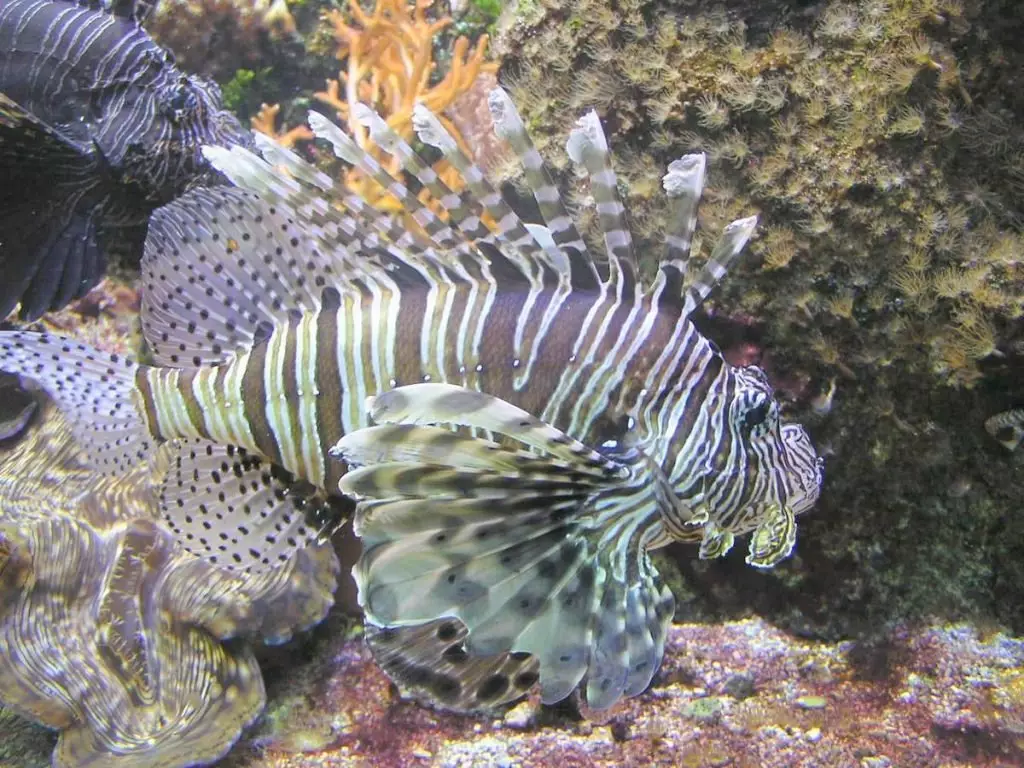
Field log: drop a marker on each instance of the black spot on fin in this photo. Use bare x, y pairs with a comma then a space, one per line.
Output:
239, 511
508, 541
430, 664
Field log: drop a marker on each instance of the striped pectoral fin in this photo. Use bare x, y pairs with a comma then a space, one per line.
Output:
462, 407
429, 663
537, 552
239, 511
630, 636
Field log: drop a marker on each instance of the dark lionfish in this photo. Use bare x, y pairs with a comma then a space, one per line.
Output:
98, 128
520, 423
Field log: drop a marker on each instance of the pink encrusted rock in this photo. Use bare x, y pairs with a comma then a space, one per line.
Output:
948, 697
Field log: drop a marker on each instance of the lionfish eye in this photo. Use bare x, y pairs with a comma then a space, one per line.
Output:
756, 416
183, 103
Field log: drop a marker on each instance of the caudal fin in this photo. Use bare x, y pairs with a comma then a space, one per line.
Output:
539, 549
93, 389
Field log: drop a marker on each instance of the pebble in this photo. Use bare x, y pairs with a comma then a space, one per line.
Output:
740, 686
705, 710
812, 702
520, 716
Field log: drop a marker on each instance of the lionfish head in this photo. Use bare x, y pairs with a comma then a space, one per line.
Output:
781, 466
188, 115
765, 473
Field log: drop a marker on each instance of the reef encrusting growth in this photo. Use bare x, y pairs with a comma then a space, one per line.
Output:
876, 137
881, 142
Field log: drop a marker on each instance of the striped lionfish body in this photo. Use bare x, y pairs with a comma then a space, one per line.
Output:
519, 423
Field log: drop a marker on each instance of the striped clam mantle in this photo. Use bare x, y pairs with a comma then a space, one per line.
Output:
519, 421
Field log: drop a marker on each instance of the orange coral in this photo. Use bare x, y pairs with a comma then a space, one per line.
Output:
265, 121
388, 63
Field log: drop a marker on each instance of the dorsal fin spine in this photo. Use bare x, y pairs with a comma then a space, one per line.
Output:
587, 146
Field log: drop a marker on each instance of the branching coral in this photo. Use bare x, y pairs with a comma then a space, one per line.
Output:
265, 121
388, 63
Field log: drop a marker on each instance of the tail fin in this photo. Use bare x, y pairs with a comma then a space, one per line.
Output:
93, 389
540, 552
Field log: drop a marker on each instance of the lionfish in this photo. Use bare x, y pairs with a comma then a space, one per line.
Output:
520, 422
98, 128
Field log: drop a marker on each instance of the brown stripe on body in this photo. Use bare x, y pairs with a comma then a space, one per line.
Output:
553, 358
412, 308
497, 346
658, 338
144, 390
630, 394
437, 331
613, 330
254, 391
460, 306
330, 391
695, 394
195, 411
291, 396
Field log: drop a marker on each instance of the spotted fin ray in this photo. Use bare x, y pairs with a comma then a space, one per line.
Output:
429, 663
537, 543
239, 511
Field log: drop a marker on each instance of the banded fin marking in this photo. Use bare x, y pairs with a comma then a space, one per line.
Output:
683, 183
548, 559
534, 258
774, 538
93, 389
728, 247
429, 663
239, 511
715, 541
287, 185
587, 146
348, 150
463, 210
508, 125
440, 232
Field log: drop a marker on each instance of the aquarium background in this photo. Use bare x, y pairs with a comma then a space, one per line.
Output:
882, 145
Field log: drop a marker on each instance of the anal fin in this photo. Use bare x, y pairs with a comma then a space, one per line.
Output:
239, 511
